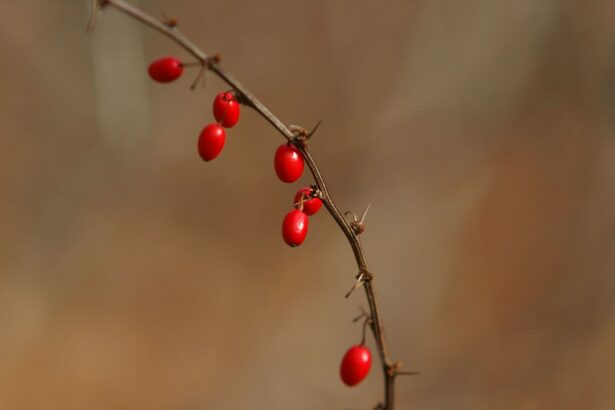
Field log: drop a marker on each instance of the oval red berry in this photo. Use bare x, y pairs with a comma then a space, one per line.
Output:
294, 227
226, 109
166, 69
310, 205
211, 141
288, 163
355, 365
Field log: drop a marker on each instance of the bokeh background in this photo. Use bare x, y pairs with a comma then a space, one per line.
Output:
135, 276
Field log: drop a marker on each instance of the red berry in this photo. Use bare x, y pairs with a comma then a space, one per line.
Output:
288, 163
165, 70
226, 109
310, 205
355, 365
294, 227
211, 141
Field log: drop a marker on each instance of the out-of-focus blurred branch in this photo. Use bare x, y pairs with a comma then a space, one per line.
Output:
299, 138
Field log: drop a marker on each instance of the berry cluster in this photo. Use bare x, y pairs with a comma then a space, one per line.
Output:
225, 108
213, 136
295, 224
288, 164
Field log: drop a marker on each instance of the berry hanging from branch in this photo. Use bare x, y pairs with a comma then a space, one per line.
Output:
226, 109
166, 69
288, 163
211, 141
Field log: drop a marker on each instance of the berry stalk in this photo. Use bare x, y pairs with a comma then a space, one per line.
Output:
364, 277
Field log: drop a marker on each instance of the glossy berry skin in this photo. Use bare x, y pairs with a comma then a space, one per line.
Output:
211, 141
226, 109
310, 205
355, 365
294, 227
165, 70
288, 163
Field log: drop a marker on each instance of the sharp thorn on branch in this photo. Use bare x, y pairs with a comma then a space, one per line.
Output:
407, 373
357, 284
309, 134
362, 220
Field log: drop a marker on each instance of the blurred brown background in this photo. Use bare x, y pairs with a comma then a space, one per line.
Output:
135, 276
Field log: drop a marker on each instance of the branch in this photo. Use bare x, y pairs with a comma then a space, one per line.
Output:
390, 369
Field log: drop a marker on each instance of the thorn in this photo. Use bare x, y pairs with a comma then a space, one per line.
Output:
357, 284
309, 134
407, 373
362, 220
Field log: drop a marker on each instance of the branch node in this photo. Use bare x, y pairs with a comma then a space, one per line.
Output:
215, 59
357, 224
241, 99
300, 135
357, 227
170, 22
316, 192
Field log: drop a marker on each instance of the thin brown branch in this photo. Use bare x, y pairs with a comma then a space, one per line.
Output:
389, 369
